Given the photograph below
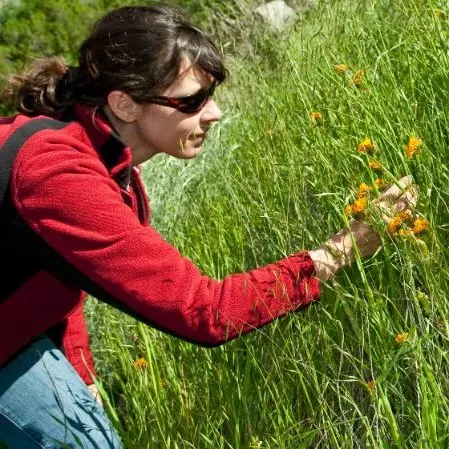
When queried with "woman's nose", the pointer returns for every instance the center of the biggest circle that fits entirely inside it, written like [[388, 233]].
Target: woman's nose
[[211, 112]]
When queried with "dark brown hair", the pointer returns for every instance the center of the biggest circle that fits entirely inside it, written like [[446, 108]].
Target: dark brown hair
[[136, 49]]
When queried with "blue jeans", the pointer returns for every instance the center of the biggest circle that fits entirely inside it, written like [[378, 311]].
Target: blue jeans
[[44, 404]]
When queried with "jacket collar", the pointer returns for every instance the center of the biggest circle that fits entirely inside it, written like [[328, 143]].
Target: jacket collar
[[116, 156]]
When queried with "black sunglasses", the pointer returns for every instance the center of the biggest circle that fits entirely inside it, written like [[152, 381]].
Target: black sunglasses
[[189, 104]]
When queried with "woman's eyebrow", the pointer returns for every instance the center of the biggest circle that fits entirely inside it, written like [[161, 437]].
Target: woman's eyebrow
[[196, 92]]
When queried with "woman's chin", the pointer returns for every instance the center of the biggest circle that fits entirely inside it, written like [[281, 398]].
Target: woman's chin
[[189, 152]]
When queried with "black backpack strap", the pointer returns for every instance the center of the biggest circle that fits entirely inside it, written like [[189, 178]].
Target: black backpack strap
[[14, 143], [17, 242]]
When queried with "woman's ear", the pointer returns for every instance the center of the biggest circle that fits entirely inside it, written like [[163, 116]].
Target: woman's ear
[[123, 106]]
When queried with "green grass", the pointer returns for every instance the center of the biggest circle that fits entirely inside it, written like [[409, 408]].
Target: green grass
[[271, 182]]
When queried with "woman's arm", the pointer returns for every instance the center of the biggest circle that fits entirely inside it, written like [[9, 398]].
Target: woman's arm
[[65, 195]]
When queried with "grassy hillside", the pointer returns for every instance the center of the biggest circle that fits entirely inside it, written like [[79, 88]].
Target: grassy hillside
[[367, 366]]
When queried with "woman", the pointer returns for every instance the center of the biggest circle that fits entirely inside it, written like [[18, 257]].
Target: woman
[[76, 220]]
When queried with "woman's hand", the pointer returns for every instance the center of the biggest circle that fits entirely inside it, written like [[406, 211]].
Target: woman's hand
[[95, 393], [339, 251]]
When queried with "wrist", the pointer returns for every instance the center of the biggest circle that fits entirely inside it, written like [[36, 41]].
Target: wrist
[[333, 255], [326, 264], [341, 248]]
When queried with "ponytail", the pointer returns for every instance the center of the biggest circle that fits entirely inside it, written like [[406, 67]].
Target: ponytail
[[42, 89]]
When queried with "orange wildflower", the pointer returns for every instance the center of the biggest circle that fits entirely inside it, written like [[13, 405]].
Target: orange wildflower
[[376, 166], [363, 190], [397, 221], [359, 206], [366, 146], [405, 215], [348, 210], [420, 225], [413, 146], [371, 385], [341, 69], [394, 224], [141, 363], [358, 78], [400, 338], [379, 183], [404, 233], [317, 117]]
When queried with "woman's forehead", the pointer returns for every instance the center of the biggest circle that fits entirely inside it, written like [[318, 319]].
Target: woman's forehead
[[190, 78]]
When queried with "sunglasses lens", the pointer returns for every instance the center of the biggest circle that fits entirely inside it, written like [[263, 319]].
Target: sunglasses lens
[[188, 105], [194, 103]]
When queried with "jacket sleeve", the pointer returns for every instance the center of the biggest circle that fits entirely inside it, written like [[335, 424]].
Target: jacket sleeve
[[66, 196], [75, 344]]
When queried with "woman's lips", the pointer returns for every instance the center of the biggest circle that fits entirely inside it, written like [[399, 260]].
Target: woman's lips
[[197, 137]]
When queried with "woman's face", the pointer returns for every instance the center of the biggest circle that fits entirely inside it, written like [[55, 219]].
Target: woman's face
[[162, 129]]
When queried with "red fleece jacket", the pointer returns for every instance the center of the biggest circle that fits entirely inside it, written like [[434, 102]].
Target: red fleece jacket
[[75, 188]]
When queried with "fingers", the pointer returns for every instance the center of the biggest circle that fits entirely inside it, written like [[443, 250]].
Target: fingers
[[397, 198], [407, 200], [405, 181], [366, 239], [394, 191], [95, 393], [368, 246]]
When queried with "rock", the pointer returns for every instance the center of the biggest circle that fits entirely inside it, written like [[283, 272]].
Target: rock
[[276, 13]]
